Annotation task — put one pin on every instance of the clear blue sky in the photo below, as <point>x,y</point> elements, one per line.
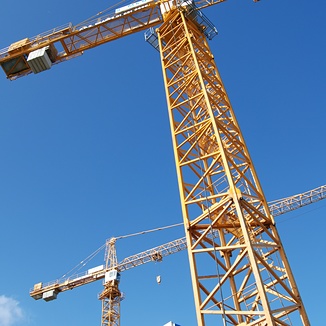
<point>86,154</point>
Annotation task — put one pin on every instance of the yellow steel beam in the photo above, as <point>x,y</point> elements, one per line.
<point>234,249</point>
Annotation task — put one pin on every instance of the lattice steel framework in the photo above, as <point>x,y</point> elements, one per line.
<point>238,266</point>
<point>111,295</point>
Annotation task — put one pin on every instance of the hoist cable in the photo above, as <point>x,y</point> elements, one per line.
<point>83,262</point>
<point>149,231</point>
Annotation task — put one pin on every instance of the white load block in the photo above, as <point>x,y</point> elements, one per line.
<point>39,60</point>
<point>50,295</point>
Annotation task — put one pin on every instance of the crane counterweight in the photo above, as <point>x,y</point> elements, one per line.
<point>39,60</point>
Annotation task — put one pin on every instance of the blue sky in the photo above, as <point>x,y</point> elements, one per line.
<point>86,154</point>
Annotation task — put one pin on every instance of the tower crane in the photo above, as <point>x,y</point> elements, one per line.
<point>238,265</point>
<point>111,295</point>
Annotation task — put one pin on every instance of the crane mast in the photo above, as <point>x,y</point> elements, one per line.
<point>111,295</point>
<point>239,269</point>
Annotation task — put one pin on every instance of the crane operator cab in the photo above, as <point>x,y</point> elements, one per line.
<point>112,275</point>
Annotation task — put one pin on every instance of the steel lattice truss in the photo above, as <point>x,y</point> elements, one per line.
<point>291,203</point>
<point>111,295</point>
<point>238,266</point>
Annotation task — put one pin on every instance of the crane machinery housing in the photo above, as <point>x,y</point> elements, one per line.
<point>239,270</point>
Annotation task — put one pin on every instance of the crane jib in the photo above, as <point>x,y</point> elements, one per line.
<point>60,44</point>
<point>39,53</point>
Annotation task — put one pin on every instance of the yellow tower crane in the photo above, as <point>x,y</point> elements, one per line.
<point>111,296</point>
<point>239,269</point>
